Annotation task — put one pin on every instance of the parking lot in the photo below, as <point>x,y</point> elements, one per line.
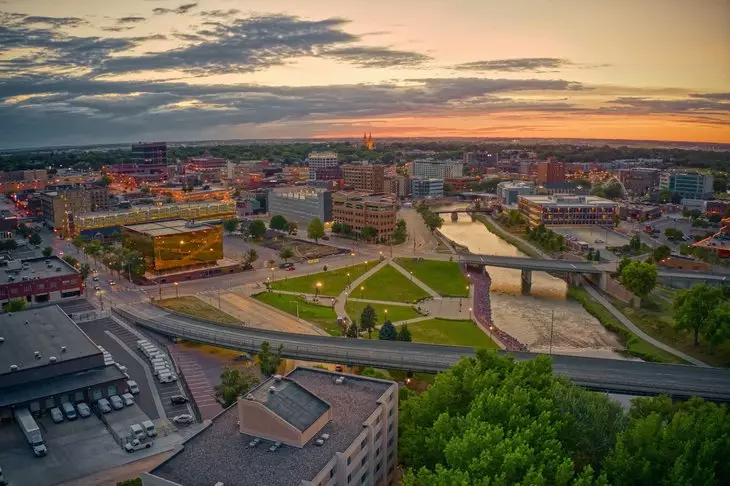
<point>75,305</point>
<point>597,237</point>
<point>198,379</point>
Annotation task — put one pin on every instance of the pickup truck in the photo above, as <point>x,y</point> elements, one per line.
<point>136,445</point>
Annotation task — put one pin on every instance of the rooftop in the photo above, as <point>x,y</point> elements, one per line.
<point>152,207</point>
<point>291,401</point>
<point>42,329</point>
<point>34,268</point>
<point>166,228</point>
<point>572,201</point>
<point>221,453</point>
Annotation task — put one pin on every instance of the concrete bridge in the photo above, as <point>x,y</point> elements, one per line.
<point>455,212</point>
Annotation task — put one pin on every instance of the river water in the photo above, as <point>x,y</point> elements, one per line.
<point>529,318</point>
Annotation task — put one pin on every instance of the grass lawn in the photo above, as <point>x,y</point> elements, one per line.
<point>443,277</point>
<point>195,307</point>
<point>333,281</point>
<point>657,321</point>
<point>320,315</point>
<point>389,284</point>
<point>444,331</point>
<point>634,346</point>
<point>395,312</point>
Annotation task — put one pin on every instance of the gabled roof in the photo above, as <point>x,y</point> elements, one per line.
<point>291,402</point>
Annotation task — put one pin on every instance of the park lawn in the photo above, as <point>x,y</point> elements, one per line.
<point>389,284</point>
<point>333,281</point>
<point>445,278</point>
<point>322,316</point>
<point>195,307</point>
<point>445,331</point>
<point>395,312</point>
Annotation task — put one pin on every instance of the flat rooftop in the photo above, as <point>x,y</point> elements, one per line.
<point>569,201</point>
<point>166,228</point>
<point>42,329</point>
<point>152,208</point>
<point>221,452</point>
<point>36,268</point>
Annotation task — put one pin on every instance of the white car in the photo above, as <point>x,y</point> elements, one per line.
<point>128,399</point>
<point>167,377</point>
<point>56,415</point>
<point>116,402</point>
<point>83,410</point>
<point>104,405</point>
<point>183,419</point>
<point>133,387</point>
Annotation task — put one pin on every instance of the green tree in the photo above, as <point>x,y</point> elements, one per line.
<point>15,305</point>
<point>635,243</point>
<point>78,242</point>
<point>234,383</point>
<point>47,251</point>
<point>404,334</point>
<point>71,260</point>
<point>369,233</point>
<point>93,249</point>
<point>257,228</point>
<point>695,310</point>
<point>639,277</point>
<point>268,360</point>
<point>292,227</point>
<point>134,262</point>
<point>84,270</point>
<point>9,245</point>
<point>673,234</point>
<point>714,218</point>
<point>278,222</point>
<point>251,256</point>
<point>660,253</point>
<point>368,319</point>
<point>285,254</point>
<point>230,225</point>
<point>23,230</point>
<point>616,220</point>
<point>337,228</point>
<point>35,239</point>
<point>352,330</point>
<point>105,180</point>
<point>387,332</point>
<point>597,256</point>
<point>315,230</point>
<point>130,482</point>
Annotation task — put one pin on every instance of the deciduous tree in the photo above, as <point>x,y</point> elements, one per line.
<point>639,277</point>
<point>285,254</point>
<point>234,383</point>
<point>230,225</point>
<point>315,230</point>
<point>257,228</point>
<point>278,222</point>
<point>268,360</point>
<point>695,308</point>
<point>35,239</point>
<point>47,251</point>
<point>15,305</point>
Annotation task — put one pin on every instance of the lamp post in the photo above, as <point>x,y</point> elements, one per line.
<point>470,313</point>
<point>386,314</point>
<point>316,290</point>
<point>352,258</point>
<point>177,292</point>
<point>362,291</point>
<point>297,303</point>
<point>348,280</point>
<point>411,276</point>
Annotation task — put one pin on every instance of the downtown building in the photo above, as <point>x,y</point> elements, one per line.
<point>148,163</point>
<point>689,185</point>
<point>39,281</point>
<point>364,177</point>
<point>59,207</point>
<point>300,203</point>
<point>567,210</point>
<point>426,188</point>
<point>509,192</point>
<point>311,427</point>
<point>639,180</point>
<point>480,159</point>
<point>436,169</point>
<point>359,211</point>
<point>323,166</point>
<point>550,172</point>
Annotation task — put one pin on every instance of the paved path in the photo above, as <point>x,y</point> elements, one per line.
<point>633,328</point>
<point>342,298</point>
<point>413,279</point>
<point>384,302</point>
<point>411,321</point>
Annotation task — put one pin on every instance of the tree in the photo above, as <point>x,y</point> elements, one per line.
<point>268,361</point>
<point>714,218</point>
<point>589,256</point>
<point>79,242</point>
<point>93,249</point>
<point>251,256</point>
<point>639,277</point>
<point>230,225</point>
<point>675,198</point>
<point>694,309</point>
<point>47,251</point>
<point>315,230</point>
<point>616,220</point>
<point>352,330</point>
<point>84,270</point>
<point>387,332</point>
<point>635,243</point>
<point>673,234</point>
<point>292,227</point>
<point>404,334</point>
<point>257,228</point>
<point>369,233</point>
<point>368,319</point>
<point>286,253</point>
<point>23,230</point>
<point>105,180</point>
<point>660,253</point>
<point>234,383</point>
<point>278,222</point>
<point>134,263</point>
<point>597,256</point>
<point>337,228</point>
<point>71,260</point>
<point>35,239</point>
<point>15,305</point>
<point>9,245</point>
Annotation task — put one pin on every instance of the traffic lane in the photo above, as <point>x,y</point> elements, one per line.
<point>96,330</point>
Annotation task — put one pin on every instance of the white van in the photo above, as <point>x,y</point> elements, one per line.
<point>133,387</point>
<point>161,369</point>
<point>137,431</point>
<point>68,410</point>
<point>149,428</point>
<point>167,377</point>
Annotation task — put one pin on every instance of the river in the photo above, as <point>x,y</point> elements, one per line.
<point>529,318</point>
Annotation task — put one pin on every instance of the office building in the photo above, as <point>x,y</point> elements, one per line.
<point>322,160</point>
<point>23,180</point>
<point>550,172</point>
<point>364,177</point>
<point>39,281</point>
<point>403,186</point>
<point>509,191</point>
<point>689,185</point>
<point>567,210</point>
<point>175,245</point>
<point>300,203</point>
<point>358,212</point>
<point>60,206</point>
<point>437,169</point>
<point>311,427</point>
<point>480,159</point>
<point>638,212</point>
<point>47,360</point>
<point>207,168</point>
<point>639,180</point>
<point>423,188</point>
<point>154,153</point>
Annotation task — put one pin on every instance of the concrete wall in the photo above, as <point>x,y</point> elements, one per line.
<point>150,480</point>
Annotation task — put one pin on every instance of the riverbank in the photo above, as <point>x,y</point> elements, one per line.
<point>513,240</point>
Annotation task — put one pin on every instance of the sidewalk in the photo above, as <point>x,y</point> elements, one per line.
<point>342,298</point>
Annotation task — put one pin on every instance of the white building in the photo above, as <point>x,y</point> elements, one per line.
<point>322,160</point>
<point>437,169</point>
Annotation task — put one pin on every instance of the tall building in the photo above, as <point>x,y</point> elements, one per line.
<point>358,212</point>
<point>311,427</point>
<point>480,159</point>
<point>550,172</point>
<point>300,203</point>
<point>689,185</point>
<point>364,177</point>
<point>425,188</point>
<point>508,192</point>
<point>323,166</point>
<point>209,168</point>
<point>154,153</point>
<point>567,210</point>
<point>437,169</point>
<point>60,206</point>
<point>367,141</point>
<point>639,180</point>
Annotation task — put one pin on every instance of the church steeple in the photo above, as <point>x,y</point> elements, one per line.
<point>367,141</point>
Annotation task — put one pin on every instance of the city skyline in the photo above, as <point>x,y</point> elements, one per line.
<point>79,72</point>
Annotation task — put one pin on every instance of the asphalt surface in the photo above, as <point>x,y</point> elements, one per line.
<point>630,377</point>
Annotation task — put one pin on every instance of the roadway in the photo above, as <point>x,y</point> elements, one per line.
<point>537,264</point>
<point>628,377</point>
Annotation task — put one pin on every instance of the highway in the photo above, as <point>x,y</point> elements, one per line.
<point>539,264</point>
<point>628,377</point>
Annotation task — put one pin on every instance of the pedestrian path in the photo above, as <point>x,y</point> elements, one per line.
<point>384,302</point>
<point>342,298</point>
<point>409,275</point>
<point>411,321</point>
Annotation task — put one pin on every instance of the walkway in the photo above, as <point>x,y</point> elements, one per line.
<point>409,275</point>
<point>342,298</point>
<point>636,330</point>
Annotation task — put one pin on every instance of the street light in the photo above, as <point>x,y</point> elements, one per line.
<point>348,280</point>
<point>470,313</point>
<point>177,293</point>
<point>362,290</point>
<point>386,314</point>
<point>297,303</point>
<point>316,290</point>
<point>411,276</point>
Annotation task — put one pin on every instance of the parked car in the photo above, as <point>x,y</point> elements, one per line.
<point>291,269</point>
<point>96,287</point>
<point>338,368</point>
<point>95,278</point>
<point>136,445</point>
<point>128,399</point>
<point>83,410</point>
<point>178,399</point>
<point>104,405</point>
<point>116,402</point>
<point>167,377</point>
<point>68,410</point>
<point>138,431</point>
<point>133,387</point>
<point>149,428</point>
<point>285,265</point>
<point>242,357</point>
<point>326,238</point>
<point>56,415</point>
<point>183,419</point>
<point>112,282</point>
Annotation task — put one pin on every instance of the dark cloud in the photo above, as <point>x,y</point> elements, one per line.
<point>635,105</point>
<point>116,28</point>
<point>130,20</point>
<point>712,96</point>
<point>182,9</point>
<point>535,64</point>
<point>220,14</point>
<point>377,57</point>
<point>55,22</point>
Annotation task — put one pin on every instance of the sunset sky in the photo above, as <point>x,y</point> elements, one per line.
<point>87,72</point>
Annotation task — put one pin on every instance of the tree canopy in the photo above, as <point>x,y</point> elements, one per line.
<point>315,230</point>
<point>368,319</point>
<point>639,277</point>
<point>234,383</point>
<point>230,225</point>
<point>278,222</point>
<point>703,310</point>
<point>257,228</point>
<point>387,332</point>
<point>268,360</point>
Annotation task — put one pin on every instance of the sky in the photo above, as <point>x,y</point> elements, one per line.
<point>78,72</point>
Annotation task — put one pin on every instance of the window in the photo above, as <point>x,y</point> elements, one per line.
<point>364,477</point>
<point>390,442</point>
<point>377,452</point>
<point>363,443</point>
<point>349,460</point>
<point>332,472</point>
<point>364,460</point>
<point>349,478</point>
<point>390,428</point>
<point>390,412</point>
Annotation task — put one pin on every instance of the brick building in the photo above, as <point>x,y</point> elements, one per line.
<point>550,172</point>
<point>364,177</point>
<point>360,211</point>
<point>40,280</point>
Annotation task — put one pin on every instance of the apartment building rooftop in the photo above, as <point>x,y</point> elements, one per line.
<point>220,453</point>
<point>567,200</point>
<point>35,268</point>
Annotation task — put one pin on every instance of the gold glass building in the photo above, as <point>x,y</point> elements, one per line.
<point>175,245</point>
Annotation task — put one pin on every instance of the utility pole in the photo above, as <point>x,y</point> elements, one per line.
<point>552,324</point>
